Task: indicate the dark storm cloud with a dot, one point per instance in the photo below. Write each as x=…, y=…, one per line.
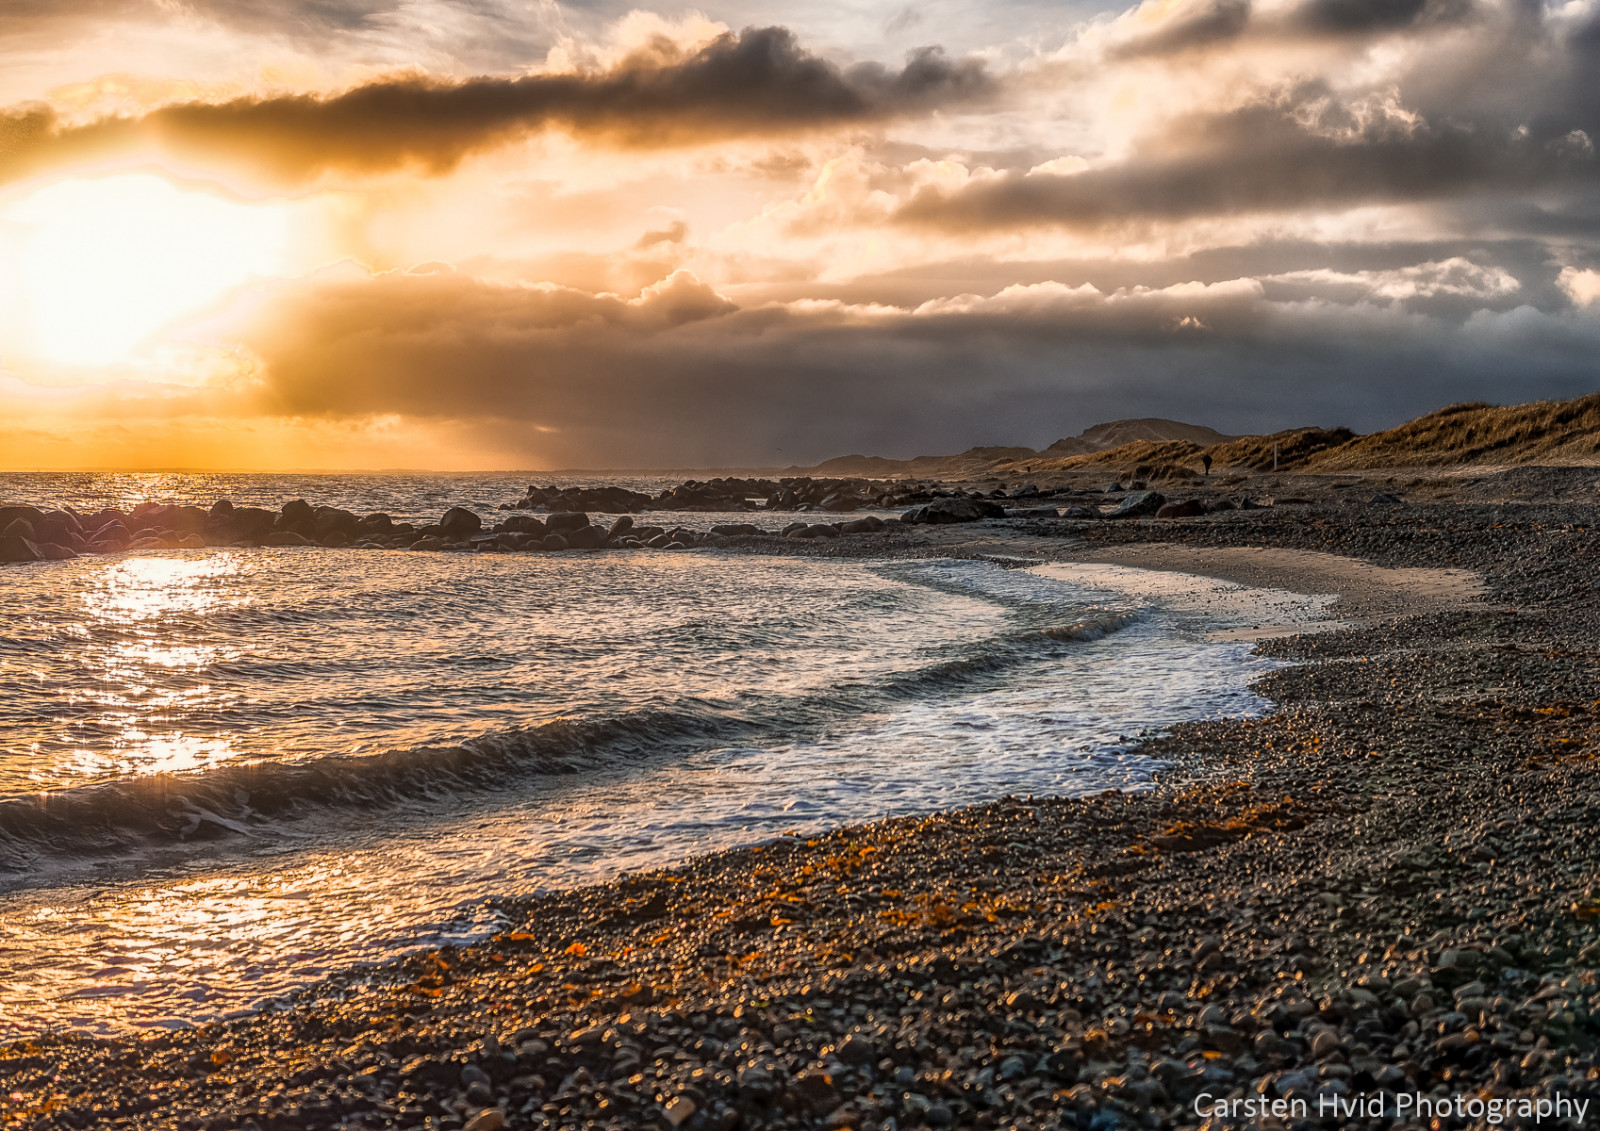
x=757, y=83
x=680, y=377
x=1226, y=21
x=1510, y=110
x=1222, y=21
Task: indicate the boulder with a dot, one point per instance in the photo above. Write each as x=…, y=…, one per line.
x=192, y=542
x=554, y=542
x=525, y=524
x=564, y=521
x=586, y=538
x=51, y=552
x=950, y=510
x=297, y=514
x=1139, y=504
x=1080, y=512
x=277, y=538
x=620, y=527
x=840, y=501
x=459, y=522
x=14, y=548
x=862, y=525
x=20, y=528
x=736, y=529
x=428, y=542
x=332, y=520
x=1189, y=508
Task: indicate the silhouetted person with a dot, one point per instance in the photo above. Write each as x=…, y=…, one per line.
x=1205, y=462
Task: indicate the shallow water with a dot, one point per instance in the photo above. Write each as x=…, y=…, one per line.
x=227, y=773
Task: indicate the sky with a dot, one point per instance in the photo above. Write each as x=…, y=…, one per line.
x=508, y=234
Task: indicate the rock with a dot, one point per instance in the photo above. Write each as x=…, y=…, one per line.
x=737, y=529
x=620, y=527
x=490, y=1119
x=678, y=1109
x=192, y=542
x=1384, y=499
x=430, y=542
x=1189, y=508
x=281, y=538
x=566, y=521
x=1138, y=504
x=856, y=1049
x=554, y=542
x=17, y=549
x=51, y=552
x=585, y=538
x=840, y=501
x=458, y=522
x=952, y=510
x=1325, y=1043
x=1080, y=512
x=866, y=525
x=296, y=514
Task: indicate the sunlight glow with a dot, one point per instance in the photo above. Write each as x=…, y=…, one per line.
x=95, y=268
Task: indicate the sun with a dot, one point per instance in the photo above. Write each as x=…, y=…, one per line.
x=95, y=269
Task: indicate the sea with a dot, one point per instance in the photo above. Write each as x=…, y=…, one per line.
x=226, y=774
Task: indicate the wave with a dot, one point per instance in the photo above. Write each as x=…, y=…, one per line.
x=253, y=798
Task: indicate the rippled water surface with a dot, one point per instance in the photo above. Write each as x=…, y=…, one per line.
x=226, y=773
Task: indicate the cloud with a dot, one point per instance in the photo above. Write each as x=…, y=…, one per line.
x=1477, y=100
x=757, y=83
x=681, y=376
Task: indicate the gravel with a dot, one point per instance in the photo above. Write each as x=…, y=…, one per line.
x=1391, y=884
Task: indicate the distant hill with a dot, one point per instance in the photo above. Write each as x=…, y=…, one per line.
x=978, y=461
x=1150, y=429
x=1552, y=432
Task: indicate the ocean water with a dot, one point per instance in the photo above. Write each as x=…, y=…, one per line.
x=226, y=773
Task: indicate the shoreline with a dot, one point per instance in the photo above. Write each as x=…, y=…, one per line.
x=1294, y=908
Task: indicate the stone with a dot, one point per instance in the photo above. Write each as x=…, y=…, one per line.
x=278, y=538
x=678, y=1109
x=856, y=1049
x=620, y=527
x=429, y=542
x=585, y=538
x=17, y=549
x=554, y=542
x=20, y=528
x=840, y=501
x=192, y=542
x=564, y=521
x=297, y=513
x=737, y=529
x=490, y=1119
x=1080, y=512
x=52, y=552
x=952, y=510
x=1189, y=508
x=458, y=522
x=1139, y=504
x=866, y=525
x=1325, y=1043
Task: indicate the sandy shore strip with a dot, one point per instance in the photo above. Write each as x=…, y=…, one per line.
x=1386, y=889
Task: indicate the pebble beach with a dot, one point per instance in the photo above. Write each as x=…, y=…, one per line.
x=1387, y=888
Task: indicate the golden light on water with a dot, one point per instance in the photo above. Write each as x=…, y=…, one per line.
x=132, y=608
x=93, y=269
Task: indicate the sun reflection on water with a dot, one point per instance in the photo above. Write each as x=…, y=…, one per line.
x=143, y=616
